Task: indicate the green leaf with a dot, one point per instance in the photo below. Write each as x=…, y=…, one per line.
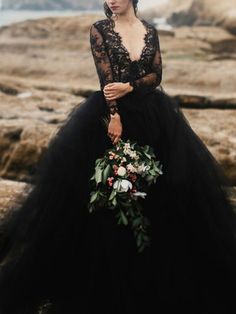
x=97, y=161
x=92, y=178
x=124, y=218
x=149, y=178
x=91, y=208
x=136, y=222
x=139, y=239
x=145, y=237
x=93, y=197
x=98, y=175
x=105, y=174
x=114, y=202
x=112, y=195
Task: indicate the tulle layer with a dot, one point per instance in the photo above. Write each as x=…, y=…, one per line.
x=85, y=263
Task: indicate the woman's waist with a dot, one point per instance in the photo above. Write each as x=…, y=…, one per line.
x=135, y=99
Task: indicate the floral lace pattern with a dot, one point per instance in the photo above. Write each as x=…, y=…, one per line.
x=113, y=62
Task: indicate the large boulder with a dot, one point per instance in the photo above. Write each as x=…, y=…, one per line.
x=197, y=12
x=207, y=12
x=12, y=193
x=22, y=142
x=167, y=8
x=28, y=120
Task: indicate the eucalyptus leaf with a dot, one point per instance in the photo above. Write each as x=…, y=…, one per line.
x=98, y=175
x=124, y=218
x=112, y=195
x=97, y=161
x=93, y=197
x=147, y=155
x=137, y=222
x=106, y=173
x=145, y=237
x=139, y=239
x=91, y=208
x=114, y=202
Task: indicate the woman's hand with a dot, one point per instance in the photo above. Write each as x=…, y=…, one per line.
x=115, y=128
x=116, y=90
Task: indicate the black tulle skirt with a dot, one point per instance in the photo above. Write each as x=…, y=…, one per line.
x=54, y=251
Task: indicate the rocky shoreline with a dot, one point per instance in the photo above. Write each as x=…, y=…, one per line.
x=46, y=68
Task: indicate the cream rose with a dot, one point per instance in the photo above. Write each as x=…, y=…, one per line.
x=121, y=171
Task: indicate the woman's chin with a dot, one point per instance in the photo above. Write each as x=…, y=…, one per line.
x=116, y=11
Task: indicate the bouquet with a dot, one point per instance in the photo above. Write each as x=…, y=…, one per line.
x=120, y=179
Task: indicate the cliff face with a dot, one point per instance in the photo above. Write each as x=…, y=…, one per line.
x=52, y=5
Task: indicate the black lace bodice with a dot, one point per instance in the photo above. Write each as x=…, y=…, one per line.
x=113, y=62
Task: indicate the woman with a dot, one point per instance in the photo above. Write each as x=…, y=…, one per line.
x=55, y=251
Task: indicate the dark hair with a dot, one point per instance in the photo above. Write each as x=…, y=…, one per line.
x=109, y=13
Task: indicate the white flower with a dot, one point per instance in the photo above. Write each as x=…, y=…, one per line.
x=127, y=151
x=122, y=185
x=141, y=194
x=131, y=168
x=127, y=145
x=121, y=171
x=141, y=168
x=130, y=152
x=127, y=148
x=133, y=155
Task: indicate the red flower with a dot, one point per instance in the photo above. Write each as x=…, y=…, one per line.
x=109, y=180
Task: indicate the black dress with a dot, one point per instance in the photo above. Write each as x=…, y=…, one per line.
x=55, y=251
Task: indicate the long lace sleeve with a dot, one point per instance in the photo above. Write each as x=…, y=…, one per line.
x=154, y=78
x=102, y=63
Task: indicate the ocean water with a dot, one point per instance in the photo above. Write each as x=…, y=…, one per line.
x=12, y=16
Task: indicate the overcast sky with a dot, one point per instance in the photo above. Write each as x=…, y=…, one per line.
x=144, y=4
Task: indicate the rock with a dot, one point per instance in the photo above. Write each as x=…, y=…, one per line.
x=192, y=100
x=38, y=31
x=85, y=92
x=217, y=129
x=8, y=89
x=203, y=12
x=26, y=126
x=12, y=193
x=167, y=8
x=230, y=20
x=165, y=32
x=232, y=195
x=220, y=40
x=192, y=64
x=22, y=144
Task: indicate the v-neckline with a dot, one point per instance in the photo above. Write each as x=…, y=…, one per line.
x=123, y=46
